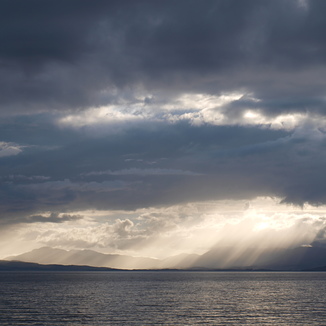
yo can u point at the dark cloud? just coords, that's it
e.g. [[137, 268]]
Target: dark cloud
[[52, 218], [191, 163], [59, 58], [59, 55]]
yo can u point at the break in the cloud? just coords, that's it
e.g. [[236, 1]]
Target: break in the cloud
[[165, 231], [111, 106]]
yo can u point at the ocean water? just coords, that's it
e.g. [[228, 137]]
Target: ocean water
[[162, 298]]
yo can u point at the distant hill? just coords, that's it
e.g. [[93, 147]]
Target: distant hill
[[299, 258], [182, 261], [316, 269], [227, 258], [23, 266], [47, 255]]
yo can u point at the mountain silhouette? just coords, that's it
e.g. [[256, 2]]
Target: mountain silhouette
[[300, 258]]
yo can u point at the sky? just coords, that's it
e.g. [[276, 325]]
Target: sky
[[155, 128]]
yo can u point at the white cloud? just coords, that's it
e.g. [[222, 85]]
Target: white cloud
[[197, 108], [29, 178], [139, 108], [192, 228], [9, 149], [143, 172]]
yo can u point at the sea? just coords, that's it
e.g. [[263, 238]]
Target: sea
[[162, 298]]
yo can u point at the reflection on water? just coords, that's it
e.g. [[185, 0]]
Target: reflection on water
[[166, 298]]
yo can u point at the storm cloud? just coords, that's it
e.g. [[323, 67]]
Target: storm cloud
[[122, 106], [57, 55]]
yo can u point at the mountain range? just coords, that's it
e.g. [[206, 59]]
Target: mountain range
[[299, 258], [24, 266], [47, 255]]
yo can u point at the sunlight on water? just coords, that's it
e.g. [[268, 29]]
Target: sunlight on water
[[166, 298]]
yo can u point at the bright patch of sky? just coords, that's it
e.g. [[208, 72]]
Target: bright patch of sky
[[191, 228], [197, 109]]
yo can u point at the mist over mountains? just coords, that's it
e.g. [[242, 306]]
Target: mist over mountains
[[299, 258], [47, 255]]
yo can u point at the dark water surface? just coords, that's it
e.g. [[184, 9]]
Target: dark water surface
[[162, 298]]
